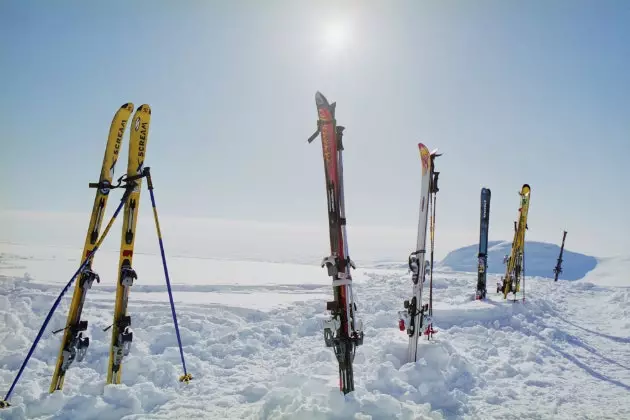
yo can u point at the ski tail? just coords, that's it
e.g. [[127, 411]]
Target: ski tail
[[343, 330], [75, 341], [122, 334], [482, 256]]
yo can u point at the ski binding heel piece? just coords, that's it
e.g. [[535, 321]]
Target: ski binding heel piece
[[67, 357], [82, 346], [87, 278], [126, 337], [330, 328], [331, 264], [128, 276]]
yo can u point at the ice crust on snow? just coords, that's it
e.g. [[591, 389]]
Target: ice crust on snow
[[563, 354]]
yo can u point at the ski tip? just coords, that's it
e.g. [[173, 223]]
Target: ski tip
[[320, 99], [144, 108], [128, 106], [425, 157], [526, 189]]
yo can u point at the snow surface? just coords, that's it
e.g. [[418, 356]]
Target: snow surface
[[540, 259], [253, 343], [610, 271]]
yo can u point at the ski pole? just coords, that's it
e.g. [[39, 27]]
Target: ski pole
[[186, 377]]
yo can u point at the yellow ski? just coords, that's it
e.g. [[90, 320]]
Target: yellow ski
[[122, 334], [512, 279], [75, 343]]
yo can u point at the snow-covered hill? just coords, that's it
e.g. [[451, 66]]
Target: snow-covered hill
[[540, 260], [612, 271]]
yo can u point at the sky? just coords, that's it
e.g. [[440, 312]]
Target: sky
[[511, 92]]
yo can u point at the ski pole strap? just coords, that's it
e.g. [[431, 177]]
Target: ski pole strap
[[128, 180], [434, 187], [314, 135], [340, 129], [147, 172]]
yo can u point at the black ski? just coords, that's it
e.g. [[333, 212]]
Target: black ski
[[482, 256], [558, 269]]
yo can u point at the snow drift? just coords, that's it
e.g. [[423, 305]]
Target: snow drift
[[540, 260], [613, 271]]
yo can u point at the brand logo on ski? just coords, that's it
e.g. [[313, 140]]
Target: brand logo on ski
[[121, 132], [137, 124], [143, 139], [326, 140], [424, 157]]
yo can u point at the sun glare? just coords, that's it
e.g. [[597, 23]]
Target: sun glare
[[337, 36]]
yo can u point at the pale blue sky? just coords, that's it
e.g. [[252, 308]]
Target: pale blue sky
[[510, 91]]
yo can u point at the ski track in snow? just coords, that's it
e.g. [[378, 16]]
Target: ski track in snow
[[256, 351]]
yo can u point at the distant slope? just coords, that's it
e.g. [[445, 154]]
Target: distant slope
[[540, 259], [613, 271]]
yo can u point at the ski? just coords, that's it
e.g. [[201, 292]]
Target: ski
[[558, 269], [75, 341], [343, 331], [122, 335], [416, 313], [515, 263], [482, 256]]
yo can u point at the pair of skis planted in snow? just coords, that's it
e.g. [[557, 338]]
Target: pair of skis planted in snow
[[514, 279], [343, 331], [417, 316], [75, 343]]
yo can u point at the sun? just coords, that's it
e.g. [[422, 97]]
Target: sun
[[337, 36]]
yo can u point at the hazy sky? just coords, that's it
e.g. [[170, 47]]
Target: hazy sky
[[511, 92]]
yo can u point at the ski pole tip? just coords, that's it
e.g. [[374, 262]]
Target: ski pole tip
[[4, 404], [185, 378]]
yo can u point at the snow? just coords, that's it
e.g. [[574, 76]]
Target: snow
[[611, 271], [252, 338], [540, 259]]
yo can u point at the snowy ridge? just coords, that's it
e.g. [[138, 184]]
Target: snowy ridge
[[540, 259], [611, 271], [562, 354]]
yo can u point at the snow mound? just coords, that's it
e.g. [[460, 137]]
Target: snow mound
[[613, 271], [540, 260]]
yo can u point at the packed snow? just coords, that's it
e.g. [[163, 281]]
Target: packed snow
[[252, 338]]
